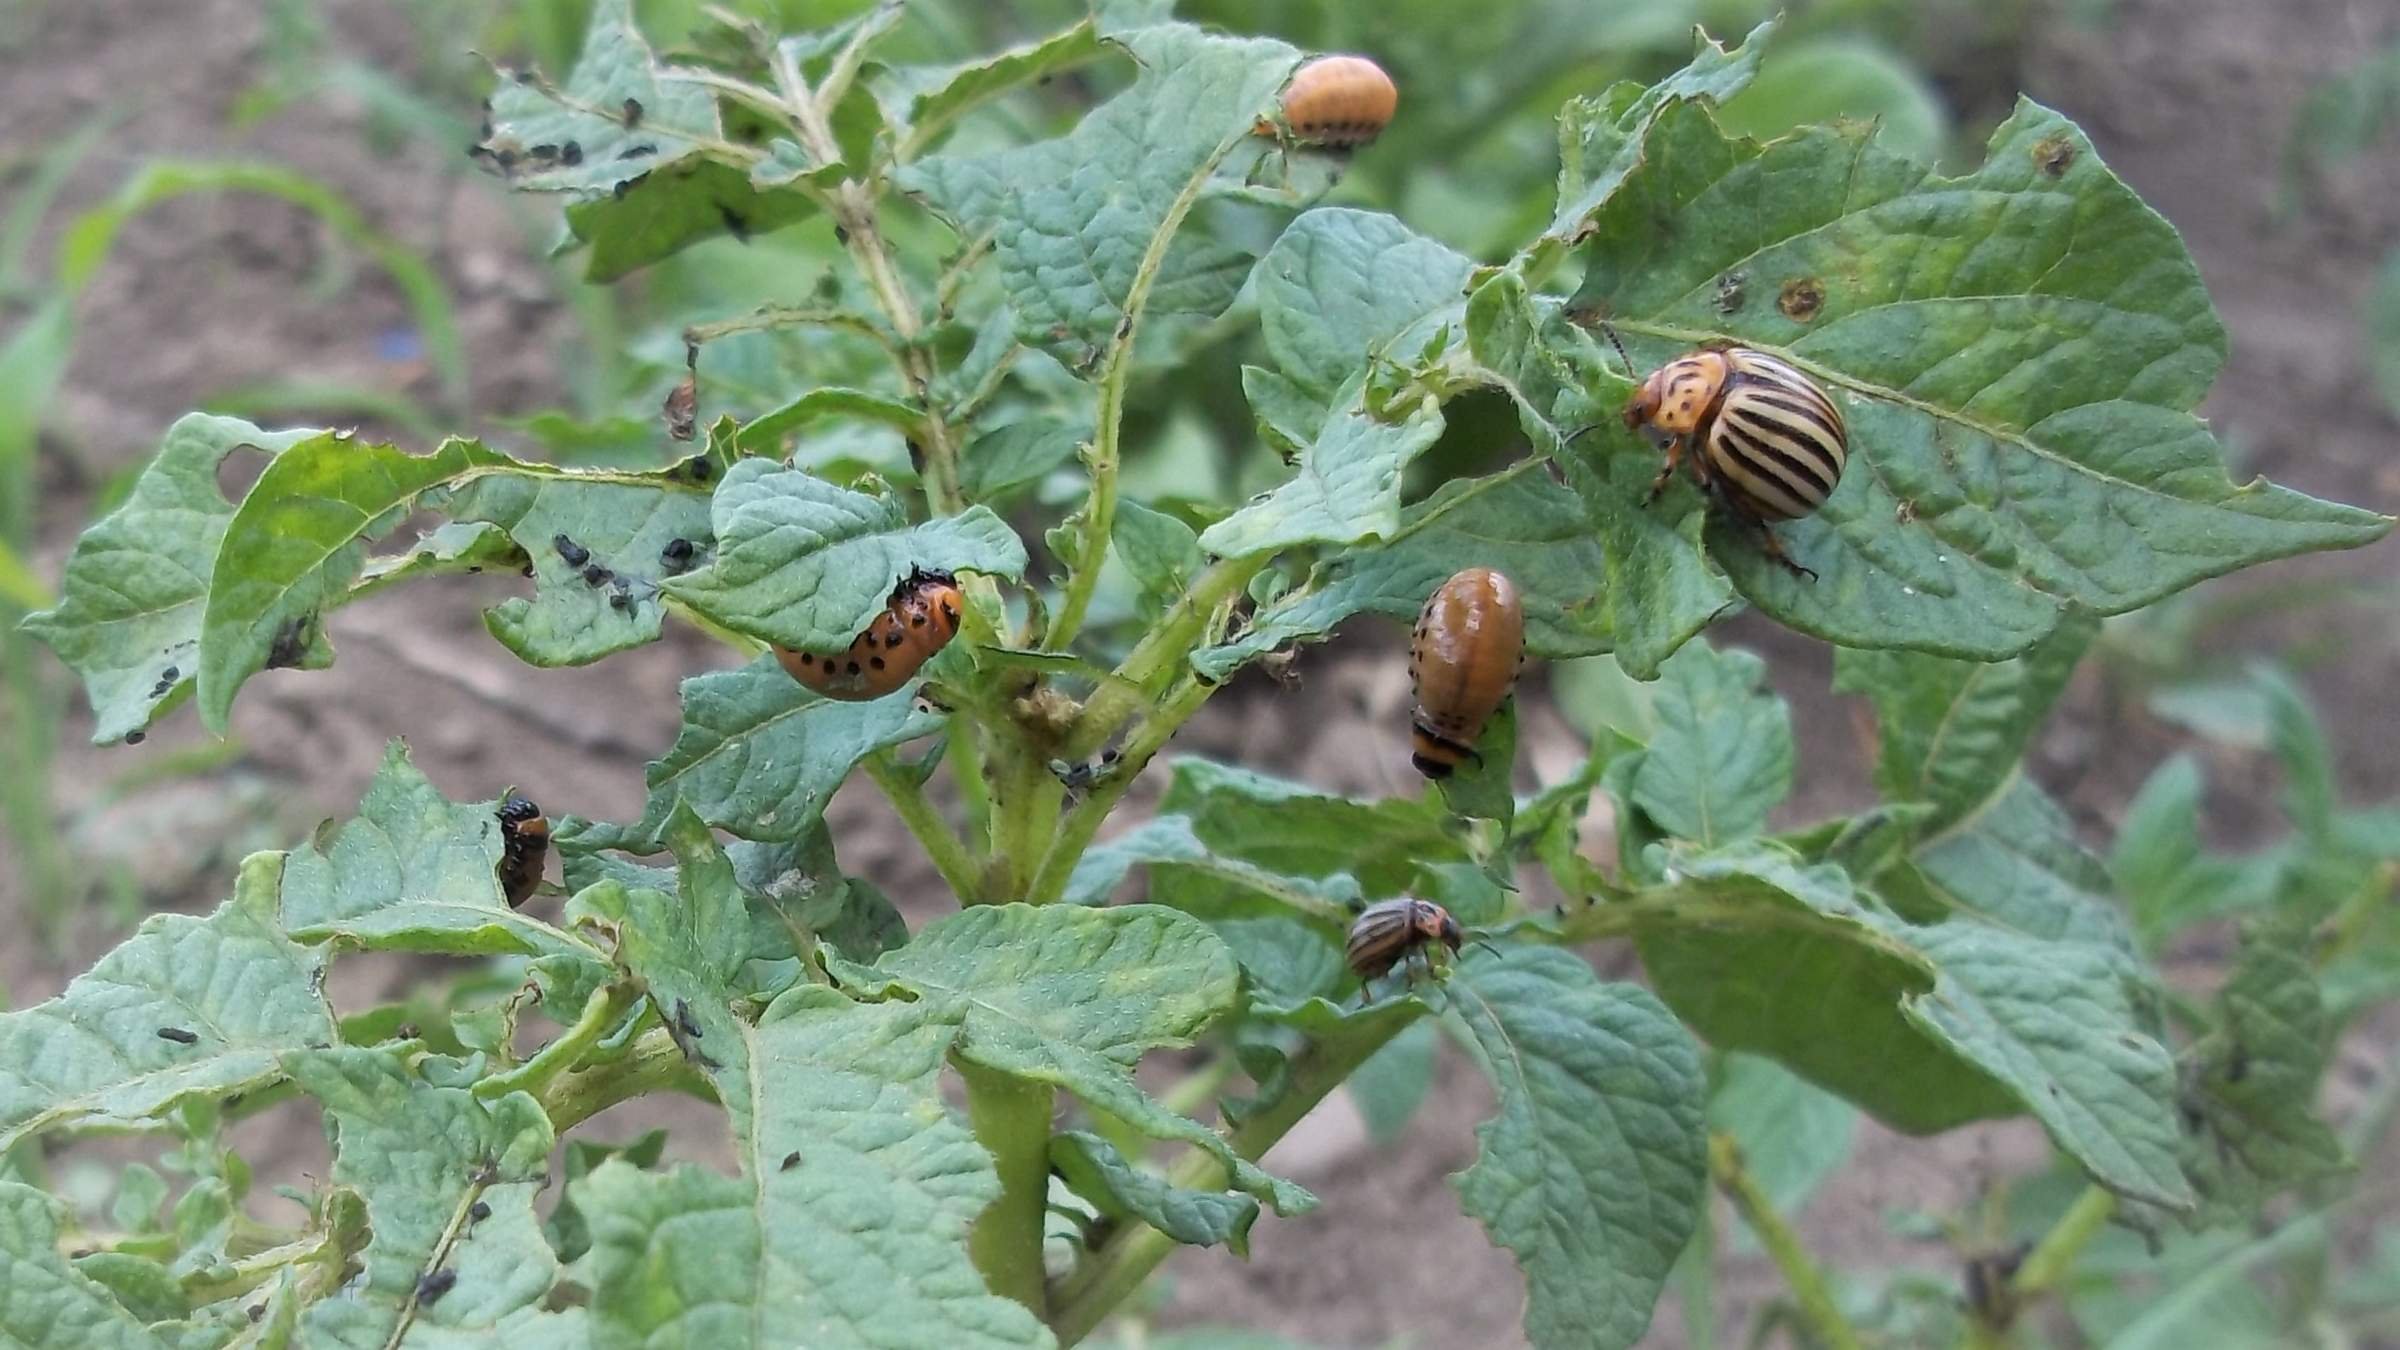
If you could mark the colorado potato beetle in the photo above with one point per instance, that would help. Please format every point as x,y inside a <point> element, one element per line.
<point>1770,444</point>
<point>1462,662</point>
<point>920,620</point>
<point>1390,931</point>
<point>1340,101</point>
<point>524,843</point>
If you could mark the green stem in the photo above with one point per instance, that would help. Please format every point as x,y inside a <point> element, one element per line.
<point>1696,1283</point>
<point>1817,1309</point>
<point>1161,651</point>
<point>601,1011</point>
<point>1109,426</point>
<point>1011,1118</point>
<point>1110,1274</point>
<point>2047,1263</point>
<point>651,1063</point>
<point>958,867</point>
<point>1082,824</point>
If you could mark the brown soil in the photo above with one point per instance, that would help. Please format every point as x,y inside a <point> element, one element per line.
<point>2191,103</point>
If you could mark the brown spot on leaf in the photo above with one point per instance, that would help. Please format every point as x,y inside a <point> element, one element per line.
<point>2052,154</point>
<point>1802,297</point>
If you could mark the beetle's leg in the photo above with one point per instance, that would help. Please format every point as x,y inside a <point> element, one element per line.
<point>1666,471</point>
<point>1773,547</point>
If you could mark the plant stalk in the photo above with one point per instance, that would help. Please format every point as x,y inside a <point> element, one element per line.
<point>1082,824</point>
<point>1817,1309</point>
<point>2050,1258</point>
<point>1011,1119</point>
<point>650,1064</point>
<point>960,869</point>
<point>1108,1275</point>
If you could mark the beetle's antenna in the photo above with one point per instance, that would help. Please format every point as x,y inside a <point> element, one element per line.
<point>1614,341</point>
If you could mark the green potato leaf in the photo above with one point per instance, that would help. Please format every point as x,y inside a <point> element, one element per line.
<point>52,1305</point>
<point>1722,755</point>
<point>1095,1170</point>
<point>1593,1171</point>
<point>2017,352</point>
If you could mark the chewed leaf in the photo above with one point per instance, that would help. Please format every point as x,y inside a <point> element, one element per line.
<point>1348,487</point>
<point>612,121</point>
<point>1081,225</point>
<point>2016,351</point>
<point>804,564</point>
<point>112,1047</point>
<point>421,1155</point>
<point>921,101</point>
<point>1342,283</point>
<point>759,755</point>
<point>129,610</point>
<point>296,544</point>
<point>51,1303</point>
<point>1592,1172</point>
<point>1524,525</point>
<point>1600,140</point>
<point>659,214</point>
<point>413,872</point>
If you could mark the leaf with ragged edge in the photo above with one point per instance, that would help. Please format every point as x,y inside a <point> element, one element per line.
<point>688,948</point>
<point>1796,965</point>
<point>589,114</point>
<point>2249,1103</point>
<point>1161,552</point>
<point>421,1156</point>
<point>246,992</point>
<point>2057,1024</point>
<point>49,1304</point>
<point>130,604</point>
<point>1523,525</point>
<point>1296,830</point>
<point>764,434</point>
<point>759,755</point>
<point>921,101</point>
<point>2016,352</point>
<point>806,565</point>
<point>1593,1171</point>
<point>848,1227</point>
<point>1601,139</point>
<point>412,872</point>
<point>1072,996</point>
<point>2017,864</point>
<point>665,211</point>
<point>1081,225</point>
<point>448,550</point>
<point>298,541</point>
<point>1341,284</point>
<point>1952,731</point>
<point>1722,755</point>
<point>1285,931</point>
<point>1654,588</point>
<point>1094,1168</point>
<point>609,602</point>
<point>1347,488</point>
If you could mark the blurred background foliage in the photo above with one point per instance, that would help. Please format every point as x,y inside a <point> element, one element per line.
<point>1474,167</point>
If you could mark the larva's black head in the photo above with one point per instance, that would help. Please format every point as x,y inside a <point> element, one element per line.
<point>1432,768</point>
<point>919,580</point>
<point>516,808</point>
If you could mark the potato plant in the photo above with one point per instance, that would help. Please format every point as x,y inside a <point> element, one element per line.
<point>940,1136</point>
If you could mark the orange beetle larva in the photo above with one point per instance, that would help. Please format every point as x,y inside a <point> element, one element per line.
<point>1338,101</point>
<point>1769,444</point>
<point>919,621</point>
<point>1462,662</point>
<point>524,841</point>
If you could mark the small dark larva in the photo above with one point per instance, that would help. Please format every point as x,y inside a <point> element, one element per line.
<point>1770,445</point>
<point>1339,101</point>
<point>1462,662</point>
<point>524,843</point>
<point>920,620</point>
<point>1390,931</point>
<point>435,1284</point>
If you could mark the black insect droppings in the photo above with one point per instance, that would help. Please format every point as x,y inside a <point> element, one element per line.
<point>435,1284</point>
<point>178,1035</point>
<point>570,154</point>
<point>633,113</point>
<point>596,575</point>
<point>574,554</point>
<point>841,236</point>
<point>790,1161</point>
<point>479,1211</point>
<point>676,556</point>
<point>291,641</point>
<point>638,150</point>
<point>735,225</point>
